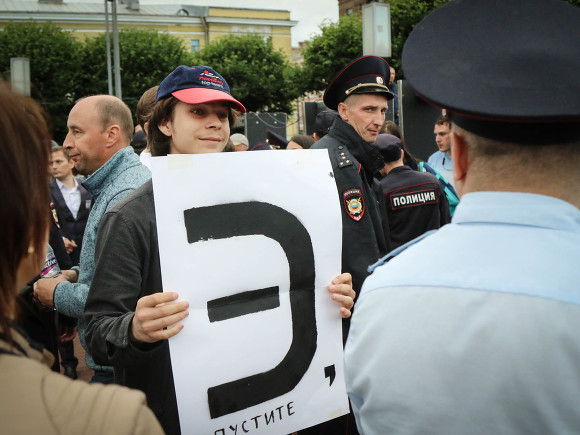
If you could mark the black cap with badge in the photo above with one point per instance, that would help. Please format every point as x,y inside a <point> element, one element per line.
<point>504,69</point>
<point>365,75</point>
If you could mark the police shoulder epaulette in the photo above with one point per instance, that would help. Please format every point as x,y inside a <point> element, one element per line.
<point>398,250</point>
<point>343,157</point>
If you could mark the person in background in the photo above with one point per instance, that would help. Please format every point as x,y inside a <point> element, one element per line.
<point>472,330</point>
<point>139,141</point>
<point>240,142</point>
<point>394,88</point>
<point>415,202</point>
<point>72,205</point>
<point>34,399</point>
<point>275,140</point>
<point>143,113</point>
<point>300,142</point>
<point>389,127</point>
<point>262,146</point>
<point>71,201</point>
<point>323,122</point>
<point>441,160</point>
<point>100,128</point>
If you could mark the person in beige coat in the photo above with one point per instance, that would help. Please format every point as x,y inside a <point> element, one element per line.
<point>33,399</point>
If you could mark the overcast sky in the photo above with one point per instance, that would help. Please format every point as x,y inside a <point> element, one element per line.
<point>308,13</point>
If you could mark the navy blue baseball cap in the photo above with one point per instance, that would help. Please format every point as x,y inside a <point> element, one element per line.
<point>365,75</point>
<point>508,70</point>
<point>197,85</point>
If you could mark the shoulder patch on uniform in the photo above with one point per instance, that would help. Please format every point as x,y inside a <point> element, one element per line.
<point>354,203</point>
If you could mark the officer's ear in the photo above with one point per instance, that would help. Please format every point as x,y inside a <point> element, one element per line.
<point>460,153</point>
<point>343,111</point>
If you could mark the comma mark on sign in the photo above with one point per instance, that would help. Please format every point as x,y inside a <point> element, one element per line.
<point>330,372</point>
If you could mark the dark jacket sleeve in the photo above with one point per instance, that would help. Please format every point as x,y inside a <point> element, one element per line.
<point>114,292</point>
<point>57,245</point>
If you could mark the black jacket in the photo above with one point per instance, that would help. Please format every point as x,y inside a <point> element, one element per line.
<point>128,268</point>
<point>415,204</point>
<point>354,162</point>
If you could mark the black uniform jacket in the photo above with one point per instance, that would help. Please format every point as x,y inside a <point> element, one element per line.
<point>71,228</point>
<point>415,204</point>
<point>354,162</point>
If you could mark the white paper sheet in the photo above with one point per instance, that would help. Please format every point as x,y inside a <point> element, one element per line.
<point>240,367</point>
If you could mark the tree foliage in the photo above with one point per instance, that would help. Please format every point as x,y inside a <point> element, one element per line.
<point>54,66</point>
<point>146,59</point>
<point>405,15</point>
<point>341,42</point>
<point>258,75</point>
<point>64,69</point>
<point>327,53</point>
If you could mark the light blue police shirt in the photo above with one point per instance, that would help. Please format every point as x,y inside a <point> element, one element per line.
<point>444,165</point>
<point>475,329</point>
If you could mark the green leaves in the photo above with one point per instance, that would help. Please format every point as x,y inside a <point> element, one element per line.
<point>146,59</point>
<point>259,76</point>
<point>327,53</point>
<point>54,65</point>
<point>63,68</point>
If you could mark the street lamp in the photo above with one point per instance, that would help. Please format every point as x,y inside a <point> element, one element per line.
<point>116,57</point>
<point>376,21</point>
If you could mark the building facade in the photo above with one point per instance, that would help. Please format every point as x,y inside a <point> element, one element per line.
<point>196,26</point>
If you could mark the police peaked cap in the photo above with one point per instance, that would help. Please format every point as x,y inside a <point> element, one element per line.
<point>503,69</point>
<point>276,140</point>
<point>365,75</point>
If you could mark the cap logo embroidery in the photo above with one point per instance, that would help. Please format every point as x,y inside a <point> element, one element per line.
<point>208,79</point>
<point>380,80</point>
<point>354,204</point>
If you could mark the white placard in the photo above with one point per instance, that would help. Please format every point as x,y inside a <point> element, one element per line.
<point>251,240</point>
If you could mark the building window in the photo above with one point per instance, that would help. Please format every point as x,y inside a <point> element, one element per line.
<point>349,11</point>
<point>194,45</point>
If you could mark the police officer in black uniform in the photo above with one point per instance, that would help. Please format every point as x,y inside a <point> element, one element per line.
<point>415,202</point>
<point>360,95</point>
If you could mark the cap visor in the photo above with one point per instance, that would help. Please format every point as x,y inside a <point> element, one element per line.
<point>200,96</point>
<point>377,90</point>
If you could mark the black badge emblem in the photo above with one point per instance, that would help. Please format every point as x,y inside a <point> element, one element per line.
<point>354,203</point>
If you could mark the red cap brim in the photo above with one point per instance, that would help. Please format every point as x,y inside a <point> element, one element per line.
<point>200,96</point>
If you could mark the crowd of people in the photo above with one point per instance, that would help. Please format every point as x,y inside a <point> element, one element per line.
<point>457,315</point>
